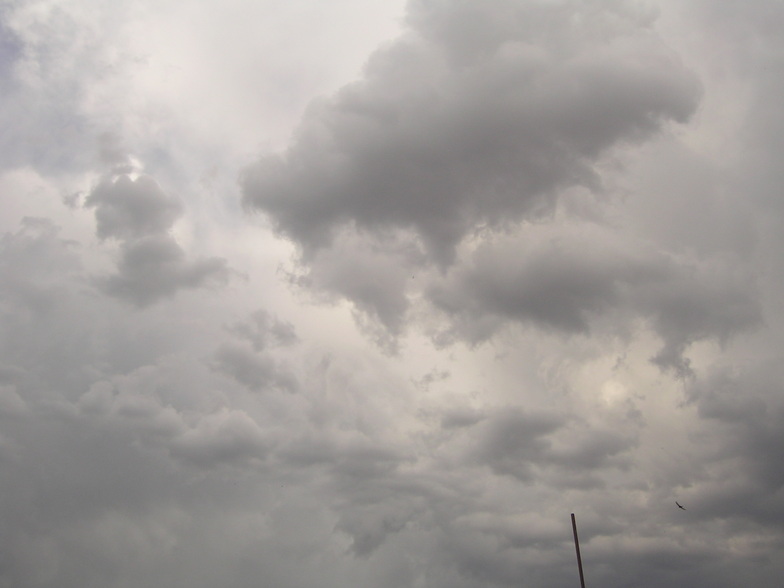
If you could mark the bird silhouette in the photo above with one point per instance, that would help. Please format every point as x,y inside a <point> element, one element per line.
<point>679,505</point>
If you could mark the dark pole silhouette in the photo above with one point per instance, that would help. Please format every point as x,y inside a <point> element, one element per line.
<point>577,549</point>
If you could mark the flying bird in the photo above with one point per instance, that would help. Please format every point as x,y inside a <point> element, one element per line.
<point>679,505</point>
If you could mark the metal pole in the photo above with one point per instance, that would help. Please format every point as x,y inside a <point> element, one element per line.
<point>577,549</point>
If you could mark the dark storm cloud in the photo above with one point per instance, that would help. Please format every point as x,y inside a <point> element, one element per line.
<point>152,264</point>
<point>476,117</point>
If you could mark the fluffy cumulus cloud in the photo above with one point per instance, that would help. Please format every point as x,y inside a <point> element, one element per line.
<point>377,293</point>
<point>476,119</point>
<point>478,116</point>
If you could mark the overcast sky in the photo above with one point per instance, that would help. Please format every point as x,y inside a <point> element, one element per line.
<point>375,293</point>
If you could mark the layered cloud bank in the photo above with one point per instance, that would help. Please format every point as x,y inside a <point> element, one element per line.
<point>270,316</point>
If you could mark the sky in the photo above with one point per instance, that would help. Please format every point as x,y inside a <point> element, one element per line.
<point>377,293</point>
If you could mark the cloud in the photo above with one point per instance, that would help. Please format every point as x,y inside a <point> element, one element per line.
<point>255,365</point>
<point>448,132</point>
<point>746,401</point>
<point>264,330</point>
<point>155,267</point>
<point>255,370</point>
<point>477,119</point>
<point>127,208</point>
<point>524,446</point>
<point>152,264</point>
<point>526,201</point>
<point>572,279</point>
<point>513,441</point>
<point>374,276</point>
<point>35,259</point>
<point>206,441</point>
<point>225,437</point>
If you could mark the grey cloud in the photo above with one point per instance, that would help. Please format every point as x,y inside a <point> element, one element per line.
<point>35,261</point>
<point>477,119</point>
<point>105,498</point>
<point>700,301</point>
<point>370,526</point>
<point>49,85</point>
<point>374,276</point>
<point>520,531</point>
<point>756,26</point>
<point>570,281</point>
<point>130,407</point>
<point>206,441</point>
<point>591,450</point>
<point>225,437</point>
<point>457,418</point>
<point>126,208</point>
<point>111,440</point>
<point>10,50</point>
<point>248,357</point>
<point>358,465</point>
<point>134,451</point>
<point>372,499</point>
<point>263,330</point>
<point>45,332</point>
<point>68,512</point>
<point>747,402</point>
<point>152,264</point>
<point>113,153</point>
<point>554,282</point>
<point>257,371</point>
<point>512,442</point>
<point>155,267</point>
<point>440,145</point>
